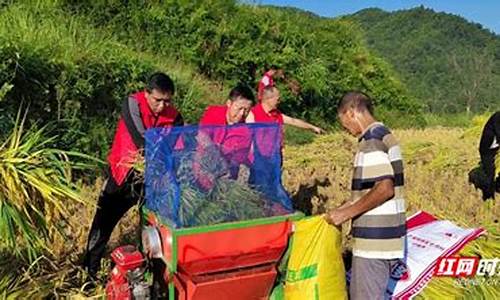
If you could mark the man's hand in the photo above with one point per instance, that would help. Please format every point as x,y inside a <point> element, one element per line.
<point>317,130</point>
<point>336,217</point>
<point>301,124</point>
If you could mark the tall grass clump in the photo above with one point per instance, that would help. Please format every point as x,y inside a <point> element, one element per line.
<point>36,189</point>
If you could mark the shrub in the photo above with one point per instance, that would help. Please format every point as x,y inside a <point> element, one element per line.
<point>76,76</point>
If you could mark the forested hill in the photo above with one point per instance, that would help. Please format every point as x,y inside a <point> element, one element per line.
<point>447,62</point>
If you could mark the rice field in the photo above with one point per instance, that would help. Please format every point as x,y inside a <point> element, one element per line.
<point>437,162</point>
<point>317,175</point>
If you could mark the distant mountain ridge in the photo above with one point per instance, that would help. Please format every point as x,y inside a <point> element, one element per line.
<point>447,62</point>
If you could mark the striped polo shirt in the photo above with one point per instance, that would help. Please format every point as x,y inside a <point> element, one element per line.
<point>379,233</point>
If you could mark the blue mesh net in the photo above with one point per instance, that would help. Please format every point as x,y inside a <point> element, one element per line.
<point>204,175</point>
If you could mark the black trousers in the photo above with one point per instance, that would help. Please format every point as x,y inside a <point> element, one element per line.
<point>114,201</point>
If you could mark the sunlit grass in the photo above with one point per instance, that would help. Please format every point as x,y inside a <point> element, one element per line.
<point>36,190</point>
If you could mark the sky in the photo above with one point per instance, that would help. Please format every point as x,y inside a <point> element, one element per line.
<point>484,12</point>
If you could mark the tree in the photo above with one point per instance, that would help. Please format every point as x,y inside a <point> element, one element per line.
<point>473,72</point>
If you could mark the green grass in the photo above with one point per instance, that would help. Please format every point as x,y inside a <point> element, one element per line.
<point>296,136</point>
<point>448,120</point>
<point>75,73</point>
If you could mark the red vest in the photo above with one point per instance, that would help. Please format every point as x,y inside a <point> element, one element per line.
<point>261,116</point>
<point>228,138</point>
<point>214,115</point>
<point>124,152</point>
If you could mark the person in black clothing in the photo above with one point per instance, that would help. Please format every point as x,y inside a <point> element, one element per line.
<point>489,145</point>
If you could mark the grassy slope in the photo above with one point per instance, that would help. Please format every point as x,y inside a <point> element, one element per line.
<point>76,75</point>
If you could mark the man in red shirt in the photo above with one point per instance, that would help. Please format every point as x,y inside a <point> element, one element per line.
<point>268,80</point>
<point>234,111</point>
<point>267,112</point>
<point>233,142</point>
<point>140,111</point>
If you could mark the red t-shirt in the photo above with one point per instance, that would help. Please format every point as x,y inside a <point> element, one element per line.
<point>214,115</point>
<point>233,141</point>
<point>261,116</point>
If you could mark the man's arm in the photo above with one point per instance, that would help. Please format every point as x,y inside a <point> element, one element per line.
<point>491,132</point>
<point>131,115</point>
<point>381,192</point>
<point>301,124</point>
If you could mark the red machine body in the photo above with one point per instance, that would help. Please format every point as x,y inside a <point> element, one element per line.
<point>225,262</point>
<point>127,259</point>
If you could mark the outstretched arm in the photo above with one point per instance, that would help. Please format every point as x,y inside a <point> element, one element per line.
<point>301,124</point>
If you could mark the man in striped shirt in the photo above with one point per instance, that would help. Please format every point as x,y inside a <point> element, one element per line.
<point>376,207</point>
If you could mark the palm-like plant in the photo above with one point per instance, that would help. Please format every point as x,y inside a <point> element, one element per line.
<point>35,189</point>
